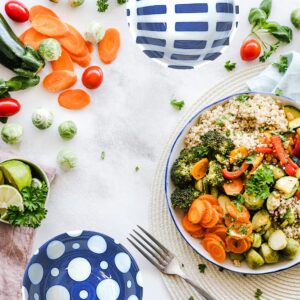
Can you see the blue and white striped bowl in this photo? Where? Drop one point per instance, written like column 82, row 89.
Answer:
column 183, row 34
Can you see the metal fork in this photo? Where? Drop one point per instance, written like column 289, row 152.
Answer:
column 162, row 258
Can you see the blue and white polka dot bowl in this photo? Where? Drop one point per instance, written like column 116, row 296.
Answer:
column 183, row 34
column 82, row 265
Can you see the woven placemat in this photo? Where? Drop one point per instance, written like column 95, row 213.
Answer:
column 224, row 285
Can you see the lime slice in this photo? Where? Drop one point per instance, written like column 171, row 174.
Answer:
column 16, row 173
column 9, row 196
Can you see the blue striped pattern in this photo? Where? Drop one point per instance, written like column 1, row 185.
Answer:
column 195, row 38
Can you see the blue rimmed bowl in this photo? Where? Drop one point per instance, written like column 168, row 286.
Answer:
column 183, row 34
column 177, row 215
column 82, row 265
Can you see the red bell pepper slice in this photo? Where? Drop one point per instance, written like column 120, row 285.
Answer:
column 290, row 170
column 292, row 163
column 235, row 174
column 265, row 150
column 296, row 151
column 277, row 144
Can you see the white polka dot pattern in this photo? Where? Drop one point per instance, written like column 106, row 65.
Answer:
column 55, row 249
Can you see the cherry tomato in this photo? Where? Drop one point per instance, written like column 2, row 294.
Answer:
column 250, row 50
column 17, row 11
column 9, row 107
column 92, row 77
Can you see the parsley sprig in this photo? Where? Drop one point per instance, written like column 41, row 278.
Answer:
column 177, row 104
column 258, row 294
column 102, row 5
column 229, row 66
column 202, row 268
column 282, row 64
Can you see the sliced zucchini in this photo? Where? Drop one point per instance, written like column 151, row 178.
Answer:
column 291, row 112
column 294, row 124
column 223, row 201
column 277, row 240
column 270, row 256
column 288, row 185
column 273, row 201
column 277, row 172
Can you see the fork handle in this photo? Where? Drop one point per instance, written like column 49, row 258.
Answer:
column 199, row 289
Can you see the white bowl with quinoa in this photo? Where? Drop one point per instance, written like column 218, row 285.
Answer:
column 243, row 122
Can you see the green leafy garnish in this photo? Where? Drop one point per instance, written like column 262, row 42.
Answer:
column 202, row 268
column 102, row 155
column 278, row 92
column 102, row 5
column 177, row 104
column 122, row 1
column 34, row 207
column 191, row 298
column 282, row 64
column 220, row 122
column 239, row 201
column 258, row 294
column 268, row 52
column 137, row 168
column 229, row 66
column 242, row 98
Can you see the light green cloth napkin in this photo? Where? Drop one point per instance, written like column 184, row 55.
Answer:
column 270, row 79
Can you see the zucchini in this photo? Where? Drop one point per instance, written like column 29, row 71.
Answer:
column 291, row 112
column 277, row 240
column 21, row 59
column 288, row 185
column 294, row 124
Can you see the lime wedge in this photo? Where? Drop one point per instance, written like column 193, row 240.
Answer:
column 9, row 196
column 16, row 173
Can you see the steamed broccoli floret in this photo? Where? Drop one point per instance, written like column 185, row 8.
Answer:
column 218, row 143
column 182, row 198
column 181, row 169
column 214, row 176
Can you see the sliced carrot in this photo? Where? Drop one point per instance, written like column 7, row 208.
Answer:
column 83, row 61
column 234, row 187
column 199, row 234
column 220, row 230
column 241, row 215
column 214, row 220
column 219, row 210
column 109, row 46
column 208, row 212
column 74, row 99
column 217, row 252
column 40, row 10
column 240, row 229
column 33, row 38
column 208, row 240
column 229, row 220
column 59, row 80
column 214, row 236
column 49, row 25
column 21, row 37
column 196, row 211
column 63, row 63
column 237, row 245
column 200, row 168
column 89, row 46
column 210, row 198
column 190, row 227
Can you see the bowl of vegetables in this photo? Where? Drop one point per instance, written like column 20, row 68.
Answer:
column 24, row 190
column 232, row 183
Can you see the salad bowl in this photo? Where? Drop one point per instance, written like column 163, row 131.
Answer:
column 183, row 34
column 177, row 215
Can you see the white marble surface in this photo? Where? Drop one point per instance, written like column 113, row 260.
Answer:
column 130, row 118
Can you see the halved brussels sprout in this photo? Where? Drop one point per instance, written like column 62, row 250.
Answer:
column 270, row 256
column 261, row 221
column 273, row 201
column 277, row 172
column 277, row 240
column 288, row 185
column 292, row 249
column 252, row 202
column 254, row 259
column 268, row 233
column 256, row 240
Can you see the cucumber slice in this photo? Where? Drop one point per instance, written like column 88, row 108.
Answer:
column 273, row 201
column 277, row 240
column 291, row 112
column 294, row 124
column 288, row 185
column 270, row 256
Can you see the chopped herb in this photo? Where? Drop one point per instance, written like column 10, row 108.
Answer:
column 283, row 138
column 182, row 265
column 137, row 168
column 191, row 298
column 232, row 114
column 268, row 53
column 102, row 155
column 227, row 133
column 288, row 214
column 239, row 201
column 282, row 64
column 242, row 98
column 220, row 122
column 202, row 268
column 244, row 229
column 229, row 66
column 177, row 104
column 122, row 1
column 258, row 294
column 102, row 5
column 278, row 92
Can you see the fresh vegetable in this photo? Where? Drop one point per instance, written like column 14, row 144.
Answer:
column 49, row 25
column 67, row 130
column 59, row 80
column 32, row 38
column 94, row 32
column 102, row 5
column 294, row 124
column 40, row 10
column 50, row 49
column 17, row 11
column 277, row 240
column 109, row 46
column 235, row 174
column 214, row 176
column 200, row 168
column 270, row 256
column 295, row 18
column 261, row 221
column 12, row 133
column 36, row 183
column 177, row 104
column 42, row 118
column 21, row 59
column 217, row 143
column 288, row 185
column 76, row 3
column 250, row 50
column 256, row 240
column 92, row 77
column 291, row 112
column 292, row 249
column 273, row 201
column 182, row 198
column 74, row 99
column 282, row 64
column 233, row 187
column 238, row 154
column 253, row 202
column 254, row 259
column 66, row 159
column 229, row 66
column 63, row 63
column 9, row 107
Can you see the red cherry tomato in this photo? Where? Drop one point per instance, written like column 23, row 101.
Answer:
column 17, row 11
column 250, row 50
column 92, row 77
column 9, row 107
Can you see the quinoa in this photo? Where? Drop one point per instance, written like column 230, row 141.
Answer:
column 243, row 120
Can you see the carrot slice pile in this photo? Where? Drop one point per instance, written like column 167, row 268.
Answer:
column 40, row 10
column 215, row 246
column 59, row 80
column 63, row 63
column 49, row 25
column 109, row 46
column 74, row 99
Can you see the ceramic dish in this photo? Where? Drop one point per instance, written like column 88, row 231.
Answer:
column 177, row 215
column 82, row 265
column 182, row 35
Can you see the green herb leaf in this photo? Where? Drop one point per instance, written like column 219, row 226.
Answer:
column 242, row 98
column 191, row 298
column 266, row 6
column 202, row 268
column 268, row 53
column 282, row 33
column 278, row 92
column 239, row 201
column 257, row 16
column 122, row 1
column 229, row 66
column 177, row 104
column 220, row 122
column 102, row 155
column 102, row 5
column 282, row 64
column 258, row 294
column 137, row 168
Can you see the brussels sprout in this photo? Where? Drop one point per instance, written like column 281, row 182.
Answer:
column 94, row 32
column 288, row 185
column 252, row 202
column 268, row 233
column 277, row 240
column 223, row 202
column 66, row 159
column 292, row 249
column 257, row 240
column 273, row 201
column 67, row 130
column 261, row 221
column 42, row 118
column 295, row 18
column 50, row 49
column 75, row 3
column 12, row 133
column 36, row 183
column 270, row 256
column 277, row 172
column 254, row 259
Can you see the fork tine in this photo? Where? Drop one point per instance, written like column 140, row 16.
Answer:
column 149, row 258
column 161, row 260
column 157, row 250
column 155, row 240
